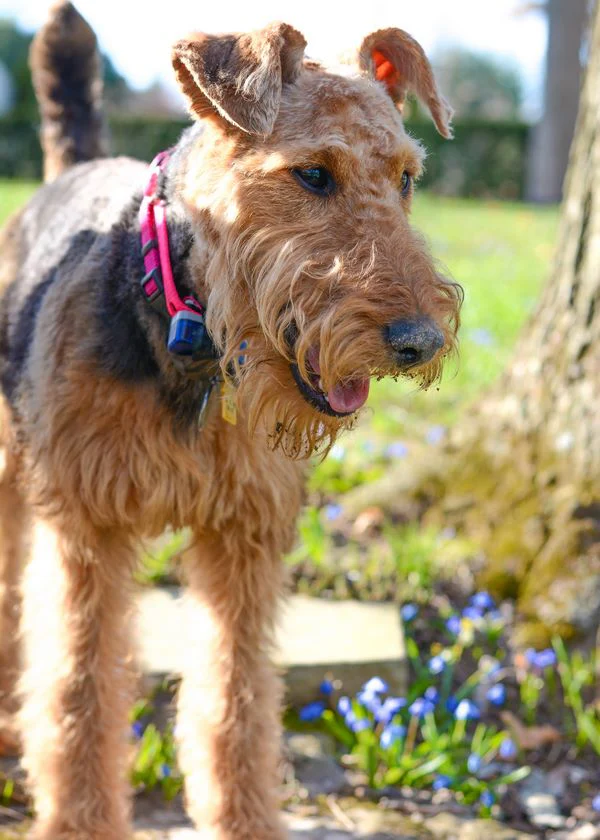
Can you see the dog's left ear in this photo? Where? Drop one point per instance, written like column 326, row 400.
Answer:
column 240, row 77
column 393, row 57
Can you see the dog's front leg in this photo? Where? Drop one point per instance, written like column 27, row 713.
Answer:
column 13, row 543
column 76, row 681
column 229, row 702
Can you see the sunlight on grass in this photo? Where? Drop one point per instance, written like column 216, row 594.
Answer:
column 13, row 194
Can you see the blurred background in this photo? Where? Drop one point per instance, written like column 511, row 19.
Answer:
column 492, row 60
column 450, row 545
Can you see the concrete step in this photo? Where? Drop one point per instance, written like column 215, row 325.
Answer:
column 348, row 640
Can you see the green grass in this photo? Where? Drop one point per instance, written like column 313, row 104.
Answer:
column 12, row 195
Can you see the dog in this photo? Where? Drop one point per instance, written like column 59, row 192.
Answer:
column 175, row 342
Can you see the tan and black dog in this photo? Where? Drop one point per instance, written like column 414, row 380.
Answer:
column 287, row 205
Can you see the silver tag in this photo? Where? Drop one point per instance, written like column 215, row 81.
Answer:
column 202, row 414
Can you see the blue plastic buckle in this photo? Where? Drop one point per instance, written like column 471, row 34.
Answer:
column 187, row 333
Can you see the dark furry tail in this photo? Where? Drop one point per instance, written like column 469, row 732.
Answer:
column 65, row 65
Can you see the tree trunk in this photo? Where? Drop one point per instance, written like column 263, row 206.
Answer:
column 520, row 475
column 551, row 139
column 523, row 476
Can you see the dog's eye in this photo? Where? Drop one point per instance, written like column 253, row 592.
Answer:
column 406, row 183
column 317, row 179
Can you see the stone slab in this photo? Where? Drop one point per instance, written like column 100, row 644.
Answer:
column 348, row 640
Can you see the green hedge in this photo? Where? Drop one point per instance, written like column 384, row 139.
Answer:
column 484, row 159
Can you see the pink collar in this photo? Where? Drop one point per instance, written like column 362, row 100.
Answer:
column 188, row 336
column 155, row 246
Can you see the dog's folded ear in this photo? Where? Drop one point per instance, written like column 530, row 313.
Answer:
column 393, row 57
column 239, row 77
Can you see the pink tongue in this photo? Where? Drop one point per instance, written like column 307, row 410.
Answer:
column 342, row 398
column 349, row 397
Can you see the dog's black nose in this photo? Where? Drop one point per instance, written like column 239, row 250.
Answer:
column 414, row 341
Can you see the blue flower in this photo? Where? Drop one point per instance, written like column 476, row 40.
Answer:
column 451, row 704
column 165, row 771
column 474, row 763
column 333, row 512
column 435, row 435
column 482, row 601
column 350, row 718
column 344, row 705
column 453, row 625
column 312, row 711
column 390, row 707
column 421, row 707
column 440, row 782
column 473, row 613
column 487, row 798
column 544, row 659
column 432, row 694
column 437, row 664
column 376, row 686
column 137, row 729
column 497, row 694
column 370, row 700
column 391, row 734
column 508, row 749
column 481, row 336
column 326, row 688
column 466, row 710
column 397, row 450
column 596, row 802
column 359, row 724
column 409, row 611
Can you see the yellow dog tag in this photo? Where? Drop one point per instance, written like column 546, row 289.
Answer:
column 229, row 403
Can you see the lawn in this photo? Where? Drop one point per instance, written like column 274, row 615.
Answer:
column 12, row 195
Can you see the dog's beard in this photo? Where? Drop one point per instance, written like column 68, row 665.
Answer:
column 262, row 292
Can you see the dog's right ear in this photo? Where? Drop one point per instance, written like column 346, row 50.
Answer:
column 239, row 77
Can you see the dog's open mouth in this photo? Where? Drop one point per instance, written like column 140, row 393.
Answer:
column 340, row 401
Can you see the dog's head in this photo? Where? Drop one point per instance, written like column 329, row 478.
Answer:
column 305, row 178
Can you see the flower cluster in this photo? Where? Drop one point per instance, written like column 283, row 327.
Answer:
column 443, row 734
column 432, row 737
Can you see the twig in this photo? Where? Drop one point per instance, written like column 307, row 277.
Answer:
column 340, row 816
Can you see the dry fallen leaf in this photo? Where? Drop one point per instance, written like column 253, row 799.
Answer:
column 367, row 521
column 530, row 737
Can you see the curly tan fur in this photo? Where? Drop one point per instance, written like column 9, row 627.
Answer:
column 99, row 423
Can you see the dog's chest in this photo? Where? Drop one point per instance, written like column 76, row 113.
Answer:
column 116, row 450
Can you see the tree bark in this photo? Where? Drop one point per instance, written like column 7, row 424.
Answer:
column 524, row 471
column 551, row 138
column 520, row 475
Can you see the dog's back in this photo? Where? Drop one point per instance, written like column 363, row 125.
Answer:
column 86, row 196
